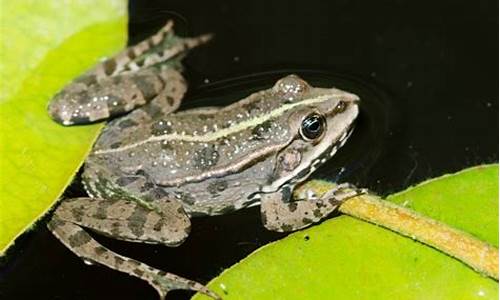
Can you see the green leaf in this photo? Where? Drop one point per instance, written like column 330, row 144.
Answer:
column 467, row 200
column 345, row 258
column 44, row 46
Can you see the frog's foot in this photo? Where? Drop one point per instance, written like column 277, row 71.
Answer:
column 280, row 213
column 163, row 47
column 166, row 224
column 128, row 55
column 158, row 48
column 171, row 51
column 342, row 192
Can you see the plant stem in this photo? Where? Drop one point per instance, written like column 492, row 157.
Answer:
column 475, row 253
column 479, row 255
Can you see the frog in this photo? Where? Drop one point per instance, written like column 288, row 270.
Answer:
column 153, row 168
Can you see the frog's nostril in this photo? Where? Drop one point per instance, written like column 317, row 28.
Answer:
column 352, row 98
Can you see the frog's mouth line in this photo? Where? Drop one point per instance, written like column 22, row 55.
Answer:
column 254, row 199
column 323, row 157
column 304, row 174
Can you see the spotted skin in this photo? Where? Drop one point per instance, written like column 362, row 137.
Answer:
column 150, row 170
column 191, row 146
column 165, row 223
column 147, row 76
column 279, row 213
column 146, row 72
column 75, row 238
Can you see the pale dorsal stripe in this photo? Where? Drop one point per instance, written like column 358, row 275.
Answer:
column 212, row 136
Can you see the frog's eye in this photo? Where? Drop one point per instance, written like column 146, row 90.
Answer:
column 312, row 127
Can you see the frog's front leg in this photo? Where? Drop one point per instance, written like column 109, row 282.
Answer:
column 281, row 213
column 164, row 223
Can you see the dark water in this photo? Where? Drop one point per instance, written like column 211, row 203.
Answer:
column 427, row 75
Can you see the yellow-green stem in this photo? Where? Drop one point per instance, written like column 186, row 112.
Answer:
column 475, row 253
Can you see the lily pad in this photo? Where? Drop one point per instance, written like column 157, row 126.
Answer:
column 45, row 45
column 346, row 258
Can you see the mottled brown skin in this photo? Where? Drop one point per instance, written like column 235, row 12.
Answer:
column 151, row 170
column 147, row 72
column 280, row 214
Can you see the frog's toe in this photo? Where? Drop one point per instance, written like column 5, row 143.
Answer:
column 166, row 282
column 204, row 290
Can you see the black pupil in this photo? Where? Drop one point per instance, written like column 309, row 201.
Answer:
column 312, row 127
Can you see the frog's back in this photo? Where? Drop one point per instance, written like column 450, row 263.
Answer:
column 192, row 146
column 193, row 151
column 175, row 148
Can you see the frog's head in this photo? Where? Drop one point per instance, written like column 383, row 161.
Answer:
column 320, row 122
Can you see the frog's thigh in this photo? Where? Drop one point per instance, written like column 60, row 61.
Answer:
column 165, row 223
column 278, row 215
column 83, row 245
column 68, row 229
column 169, row 98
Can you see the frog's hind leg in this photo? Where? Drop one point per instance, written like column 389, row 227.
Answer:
column 132, row 78
column 117, row 64
column 280, row 213
column 169, row 52
column 113, row 96
column 162, row 47
column 126, row 220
